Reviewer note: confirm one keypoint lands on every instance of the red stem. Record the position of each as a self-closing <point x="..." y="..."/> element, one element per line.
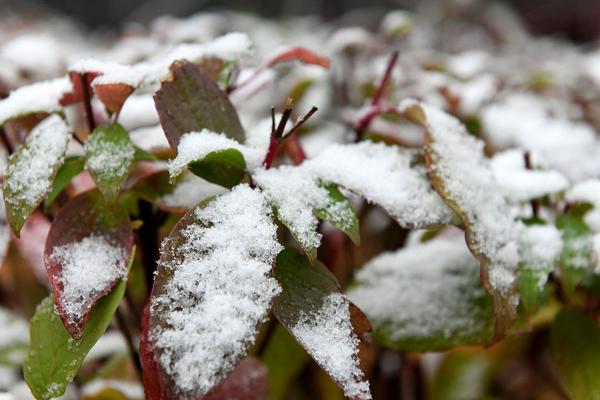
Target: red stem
<point x="386" y="77"/>
<point x="87" y="102"/>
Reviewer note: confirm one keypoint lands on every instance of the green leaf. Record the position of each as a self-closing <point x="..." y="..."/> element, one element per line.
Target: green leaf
<point x="284" y="359"/>
<point x="575" y="350"/>
<point x="425" y="297"/>
<point x="189" y="100"/>
<point x="340" y="213"/>
<point x="109" y="154"/>
<point x="71" y="168"/>
<point x="313" y="310"/>
<point x="223" y="167"/>
<point x="32" y="168"/>
<point x="143" y="155"/>
<point x="54" y="356"/>
<point x="462" y="375"/>
<point x="576" y="258"/>
<point x="528" y="280"/>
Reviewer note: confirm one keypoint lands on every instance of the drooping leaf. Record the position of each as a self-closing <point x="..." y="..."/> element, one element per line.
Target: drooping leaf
<point x="113" y="95"/>
<point x="71" y="168"/>
<point x="340" y="213"/>
<point x="576" y="257"/>
<point x="109" y="154"/>
<point x="312" y="308"/>
<point x="210" y="252"/>
<point x="248" y="381"/>
<point x="86" y="255"/>
<point x="425" y="297"/>
<point x="461" y="174"/>
<point x="189" y="101"/>
<point x="224" y="167"/>
<point x="32" y="168"/>
<point x="575" y="350"/>
<point x="54" y="356"/>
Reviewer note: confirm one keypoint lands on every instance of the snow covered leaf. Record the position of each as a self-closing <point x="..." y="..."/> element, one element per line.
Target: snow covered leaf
<point x="224" y="167"/>
<point x="86" y="255"/>
<point x="384" y="175"/>
<point x="32" y="168"/>
<point x="153" y="389"/>
<point x="539" y="248"/>
<point x="340" y="213"/>
<point x="425" y="297"/>
<point x="462" y="175"/>
<point x="54" y="356"/>
<point x="312" y="308"/>
<point x="113" y="95"/>
<point x="109" y="154"/>
<point x="41" y="97"/>
<point x="248" y="381"/>
<point x="212" y="290"/>
<point x="14" y="338"/>
<point x="71" y="168"/>
<point x="576" y="257"/>
<point x="189" y="101"/>
<point x="575" y="350"/>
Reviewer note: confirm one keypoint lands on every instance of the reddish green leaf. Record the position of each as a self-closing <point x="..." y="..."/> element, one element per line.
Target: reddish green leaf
<point x="224" y="241"/>
<point x="189" y="100"/>
<point x="312" y="308"/>
<point x="54" y="356"/>
<point x="248" y="381"/>
<point x="86" y="254"/>
<point x="113" y="95"/>
<point x="32" y="168"/>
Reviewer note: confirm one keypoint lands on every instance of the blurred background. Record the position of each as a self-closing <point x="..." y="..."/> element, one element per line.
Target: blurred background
<point x="576" y="20"/>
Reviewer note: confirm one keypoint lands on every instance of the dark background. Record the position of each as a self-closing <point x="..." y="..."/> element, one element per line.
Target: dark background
<point x="578" y="20"/>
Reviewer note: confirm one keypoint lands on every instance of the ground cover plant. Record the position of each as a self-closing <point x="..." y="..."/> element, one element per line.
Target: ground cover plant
<point x="227" y="207"/>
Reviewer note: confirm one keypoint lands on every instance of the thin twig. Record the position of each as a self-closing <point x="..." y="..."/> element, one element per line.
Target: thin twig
<point x="302" y="121"/>
<point x="135" y="356"/>
<point x="5" y="140"/>
<point x="386" y="77"/>
<point x="535" y="204"/>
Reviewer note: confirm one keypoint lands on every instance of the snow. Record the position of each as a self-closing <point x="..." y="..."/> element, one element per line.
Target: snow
<point x="422" y="291"/>
<point x="368" y="169"/>
<point x="38" y="97"/>
<point x="587" y="191"/>
<point x="329" y="337"/>
<point x="396" y="21"/>
<point x="31" y="169"/>
<point x="350" y="37"/>
<point x="227" y="47"/>
<point x="14" y="337"/>
<point x="106" y="157"/>
<point x="524" y="121"/>
<point x="468" y="181"/>
<point x="210" y="319"/>
<point x="138" y="111"/>
<point x="112" y="342"/>
<point x="89" y="266"/>
<point x="539" y="247"/>
<point x="194" y="146"/>
<point x="189" y="191"/>
<point x="151" y="139"/>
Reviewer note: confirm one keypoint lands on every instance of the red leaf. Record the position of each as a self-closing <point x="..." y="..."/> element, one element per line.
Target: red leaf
<point x="248" y="381"/>
<point x="82" y="237"/>
<point x="77" y="94"/>
<point x="301" y="54"/>
<point x="113" y="95"/>
<point x="152" y="385"/>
